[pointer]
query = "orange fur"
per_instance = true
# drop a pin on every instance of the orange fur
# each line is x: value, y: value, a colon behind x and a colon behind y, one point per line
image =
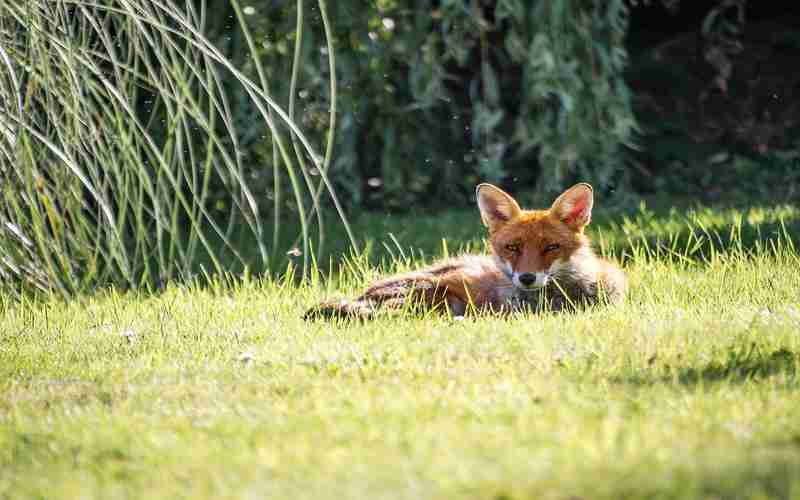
x: 541, y: 259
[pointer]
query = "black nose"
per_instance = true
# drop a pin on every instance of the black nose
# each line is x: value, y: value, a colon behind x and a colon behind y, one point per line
x: 527, y: 279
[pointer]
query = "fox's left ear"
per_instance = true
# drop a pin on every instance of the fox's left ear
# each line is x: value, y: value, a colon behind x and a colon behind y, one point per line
x: 574, y: 206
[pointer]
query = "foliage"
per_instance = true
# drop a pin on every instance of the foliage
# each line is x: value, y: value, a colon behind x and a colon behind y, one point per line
x: 437, y: 96
x: 718, y: 111
x: 122, y: 160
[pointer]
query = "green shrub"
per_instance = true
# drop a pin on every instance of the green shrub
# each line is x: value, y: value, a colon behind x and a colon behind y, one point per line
x: 437, y: 96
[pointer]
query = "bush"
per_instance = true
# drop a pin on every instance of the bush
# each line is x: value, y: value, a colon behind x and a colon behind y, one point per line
x: 438, y: 96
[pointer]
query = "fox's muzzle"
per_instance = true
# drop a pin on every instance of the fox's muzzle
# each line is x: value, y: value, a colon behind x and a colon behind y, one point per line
x: 530, y: 281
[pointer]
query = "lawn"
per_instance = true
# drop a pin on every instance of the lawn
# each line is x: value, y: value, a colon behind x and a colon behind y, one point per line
x: 688, y: 390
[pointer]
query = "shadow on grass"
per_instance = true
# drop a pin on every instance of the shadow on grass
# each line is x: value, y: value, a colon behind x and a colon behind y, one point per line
x: 698, y: 233
x: 741, y: 364
x: 693, y: 234
x: 773, y: 474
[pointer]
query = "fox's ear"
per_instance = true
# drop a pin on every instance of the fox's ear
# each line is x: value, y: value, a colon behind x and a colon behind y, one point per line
x: 497, y: 207
x: 574, y: 206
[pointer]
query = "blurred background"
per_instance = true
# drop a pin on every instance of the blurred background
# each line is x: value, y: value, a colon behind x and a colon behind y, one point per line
x: 692, y: 99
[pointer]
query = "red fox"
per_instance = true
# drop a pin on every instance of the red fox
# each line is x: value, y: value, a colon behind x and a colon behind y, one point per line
x: 541, y: 259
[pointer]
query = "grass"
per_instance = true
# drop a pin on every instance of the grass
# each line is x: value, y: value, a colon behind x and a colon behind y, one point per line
x: 126, y: 144
x: 688, y: 390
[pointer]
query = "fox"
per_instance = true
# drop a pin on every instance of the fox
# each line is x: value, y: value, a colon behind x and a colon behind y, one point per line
x: 539, y: 260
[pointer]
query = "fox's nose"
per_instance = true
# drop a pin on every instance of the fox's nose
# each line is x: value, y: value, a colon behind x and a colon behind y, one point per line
x: 527, y: 279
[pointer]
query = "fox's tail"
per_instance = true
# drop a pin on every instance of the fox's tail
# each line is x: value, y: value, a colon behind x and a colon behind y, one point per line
x: 391, y: 294
x: 342, y: 309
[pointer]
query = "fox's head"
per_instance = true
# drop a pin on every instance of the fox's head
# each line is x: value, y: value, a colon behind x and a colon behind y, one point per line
x: 532, y: 245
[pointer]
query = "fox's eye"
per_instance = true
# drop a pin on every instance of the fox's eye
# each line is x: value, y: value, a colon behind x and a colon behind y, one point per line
x: 551, y: 247
x: 513, y: 247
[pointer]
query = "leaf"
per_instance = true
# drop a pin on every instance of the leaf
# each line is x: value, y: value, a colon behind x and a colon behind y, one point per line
x: 491, y: 87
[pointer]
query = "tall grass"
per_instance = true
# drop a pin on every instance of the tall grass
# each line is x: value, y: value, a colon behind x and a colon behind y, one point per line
x: 114, y: 128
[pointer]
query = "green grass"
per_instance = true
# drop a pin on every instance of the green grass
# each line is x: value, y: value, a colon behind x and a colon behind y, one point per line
x: 688, y: 390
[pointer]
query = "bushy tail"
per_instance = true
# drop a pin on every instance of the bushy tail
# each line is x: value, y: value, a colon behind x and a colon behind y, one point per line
x: 413, y: 289
x: 342, y: 309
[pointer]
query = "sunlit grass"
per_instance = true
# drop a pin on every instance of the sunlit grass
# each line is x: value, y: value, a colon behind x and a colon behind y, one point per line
x: 688, y: 390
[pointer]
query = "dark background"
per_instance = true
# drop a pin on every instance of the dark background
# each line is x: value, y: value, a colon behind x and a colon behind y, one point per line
x: 411, y: 98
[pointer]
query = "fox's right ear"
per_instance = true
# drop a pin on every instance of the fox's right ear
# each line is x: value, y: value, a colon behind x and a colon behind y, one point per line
x: 497, y: 207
